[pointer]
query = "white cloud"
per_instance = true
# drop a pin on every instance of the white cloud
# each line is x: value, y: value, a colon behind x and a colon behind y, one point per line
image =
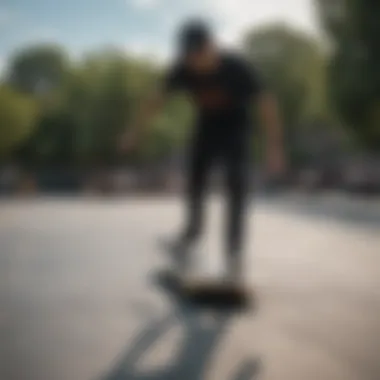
x: 137, y: 47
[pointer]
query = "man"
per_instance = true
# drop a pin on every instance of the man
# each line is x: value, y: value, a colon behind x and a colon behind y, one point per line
x: 223, y: 89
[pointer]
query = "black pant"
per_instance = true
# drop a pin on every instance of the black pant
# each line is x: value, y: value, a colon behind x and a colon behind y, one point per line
x: 228, y: 146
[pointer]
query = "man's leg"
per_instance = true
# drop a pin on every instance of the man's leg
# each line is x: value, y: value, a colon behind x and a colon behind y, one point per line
x: 236, y: 165
x: 200, y: 162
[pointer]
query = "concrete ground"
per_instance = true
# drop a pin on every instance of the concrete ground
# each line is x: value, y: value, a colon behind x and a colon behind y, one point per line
x: 78, y: 300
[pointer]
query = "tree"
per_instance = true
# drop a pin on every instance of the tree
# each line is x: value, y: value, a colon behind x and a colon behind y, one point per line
x: 103, y: 96
x: 17, y: 119
x: 38, y: 69
x: 100, y: 96
x: 293, y: 66
x: 88, y: 105
x: 352, y: 27
x: 40, y: 72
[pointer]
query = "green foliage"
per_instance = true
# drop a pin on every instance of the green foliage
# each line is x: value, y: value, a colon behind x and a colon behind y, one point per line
x: 354, y: 65
x: 89, y: 104
x: 83, y: 106
x: 293, y: 65
x: 38, y: 69
x: 17, y: 119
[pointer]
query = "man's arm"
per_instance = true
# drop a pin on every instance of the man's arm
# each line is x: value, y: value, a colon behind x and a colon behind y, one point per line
x: 172, y: 82
x: 270, y: 121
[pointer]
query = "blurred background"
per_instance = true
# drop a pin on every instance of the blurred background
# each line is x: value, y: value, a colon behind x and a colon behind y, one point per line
x: 79, y: 296
x: 72, y: 74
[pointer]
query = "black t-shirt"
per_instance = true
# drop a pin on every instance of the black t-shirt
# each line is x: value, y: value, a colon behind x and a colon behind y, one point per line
x: 224, y: 96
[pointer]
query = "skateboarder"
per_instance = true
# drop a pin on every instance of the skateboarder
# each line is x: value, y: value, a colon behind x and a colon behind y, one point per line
x: 224, y: 90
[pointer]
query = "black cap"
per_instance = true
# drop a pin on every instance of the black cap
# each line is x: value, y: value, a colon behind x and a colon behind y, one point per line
x: 193, y: 36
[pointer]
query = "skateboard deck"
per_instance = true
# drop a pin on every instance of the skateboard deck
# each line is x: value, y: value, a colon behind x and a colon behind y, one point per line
x: 210, y: 291
x: 206, y: 290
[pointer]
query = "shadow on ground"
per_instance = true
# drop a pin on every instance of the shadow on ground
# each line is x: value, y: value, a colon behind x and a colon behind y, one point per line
x: 192, y: 357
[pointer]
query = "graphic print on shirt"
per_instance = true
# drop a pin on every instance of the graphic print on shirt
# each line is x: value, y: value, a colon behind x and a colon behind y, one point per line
x: 212, y: 97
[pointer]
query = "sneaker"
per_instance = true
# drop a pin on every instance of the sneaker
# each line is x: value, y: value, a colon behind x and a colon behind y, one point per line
x: 181, y: 251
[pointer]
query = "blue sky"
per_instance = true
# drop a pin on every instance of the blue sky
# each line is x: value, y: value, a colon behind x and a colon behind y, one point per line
x: 138, y: 26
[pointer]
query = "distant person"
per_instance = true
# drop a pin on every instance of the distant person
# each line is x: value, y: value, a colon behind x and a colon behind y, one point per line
x: 224, y: 89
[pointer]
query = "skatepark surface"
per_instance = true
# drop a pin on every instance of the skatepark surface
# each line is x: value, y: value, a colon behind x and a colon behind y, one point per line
x: 78, y: 300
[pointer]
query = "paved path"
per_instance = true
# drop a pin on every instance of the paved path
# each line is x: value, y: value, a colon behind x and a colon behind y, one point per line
x: 77, y: 301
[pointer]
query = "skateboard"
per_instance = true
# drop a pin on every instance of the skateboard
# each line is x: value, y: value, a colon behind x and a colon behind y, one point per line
x: 203, y: 290
x: 209, y: 291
